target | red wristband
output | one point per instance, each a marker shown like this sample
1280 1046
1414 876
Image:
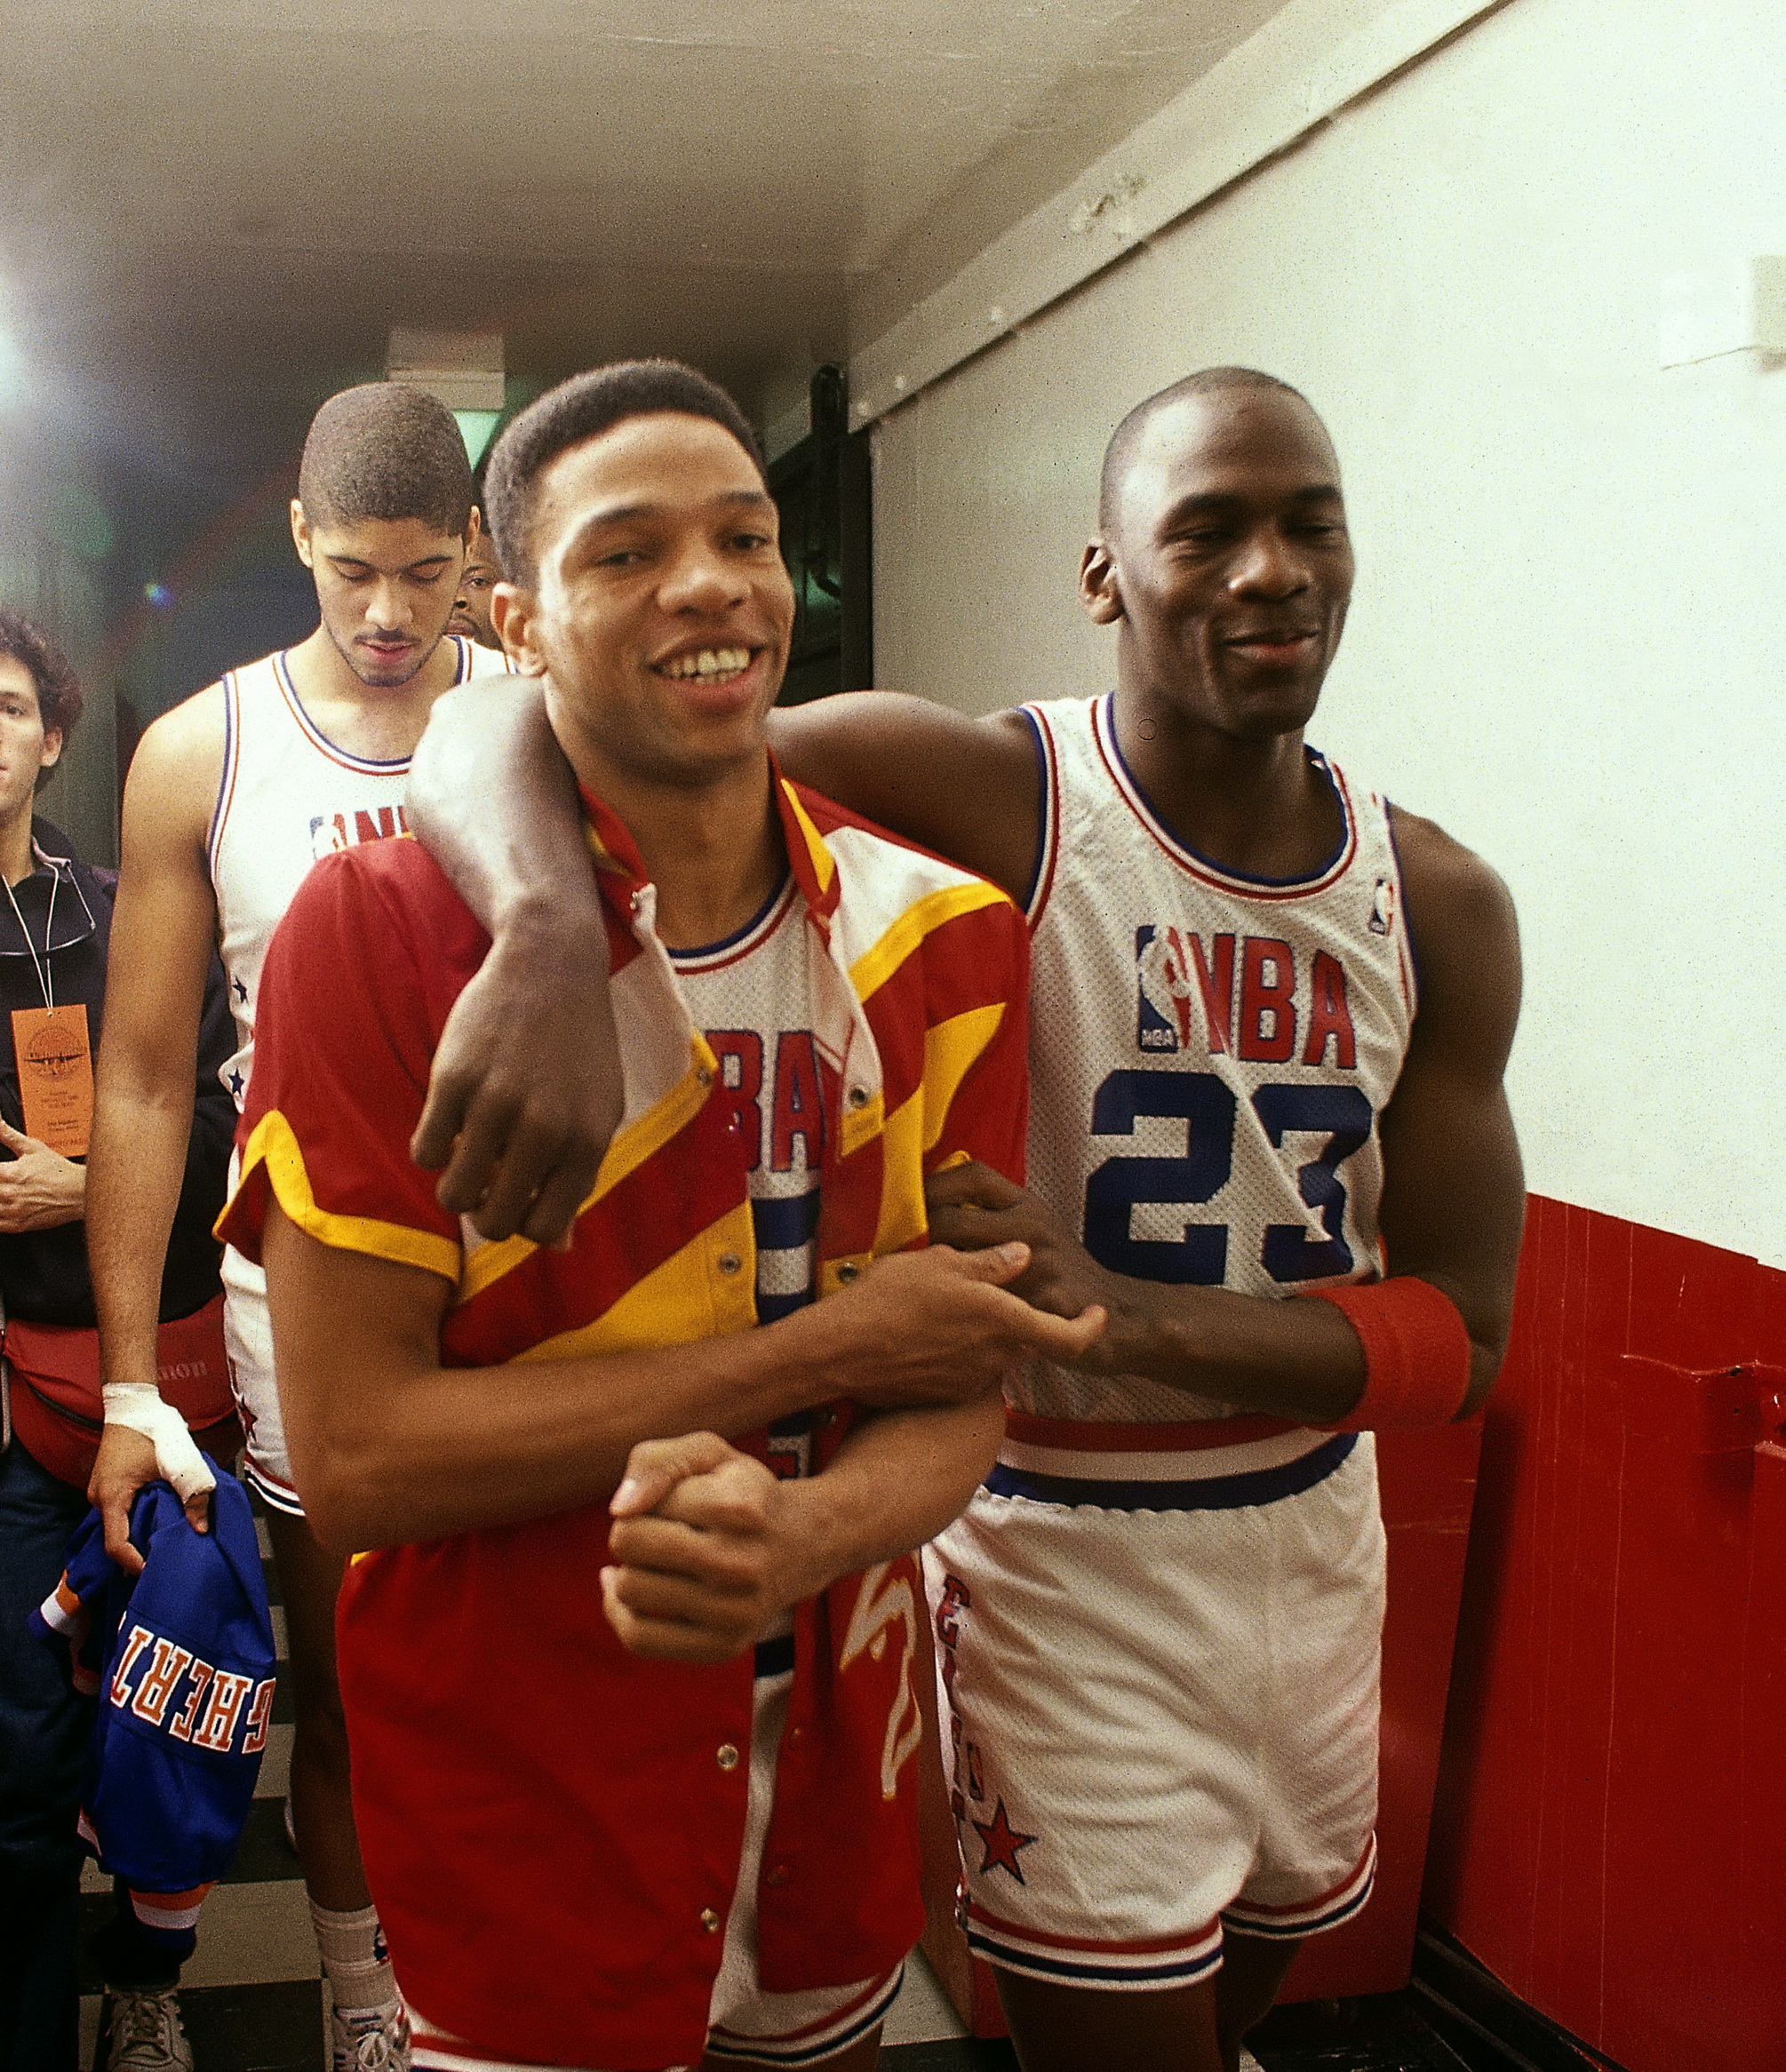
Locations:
1417 1353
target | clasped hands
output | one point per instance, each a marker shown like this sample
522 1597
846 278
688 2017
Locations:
709 1547
972 1207
707 1551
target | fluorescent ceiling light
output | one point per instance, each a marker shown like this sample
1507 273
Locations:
463 368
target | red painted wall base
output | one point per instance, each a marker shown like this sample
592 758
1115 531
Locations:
1611 1831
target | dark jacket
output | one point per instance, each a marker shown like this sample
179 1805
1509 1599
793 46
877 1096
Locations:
44 1274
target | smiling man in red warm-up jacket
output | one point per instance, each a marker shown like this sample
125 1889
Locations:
628 1664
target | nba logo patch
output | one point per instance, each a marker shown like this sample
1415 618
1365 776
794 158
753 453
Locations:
1382 908
1184 991
1156 1016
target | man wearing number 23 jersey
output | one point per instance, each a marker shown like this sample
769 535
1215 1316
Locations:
1270 1018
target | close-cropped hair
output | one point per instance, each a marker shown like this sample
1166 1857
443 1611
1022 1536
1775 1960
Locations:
60 703
580 409
1127 434
386 450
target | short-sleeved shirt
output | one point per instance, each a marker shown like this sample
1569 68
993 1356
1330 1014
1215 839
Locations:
57 944
549 1824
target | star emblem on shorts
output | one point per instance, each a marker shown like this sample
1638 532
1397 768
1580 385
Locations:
236 1083
1002 1843
239 989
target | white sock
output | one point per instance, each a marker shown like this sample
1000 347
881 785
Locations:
355 1961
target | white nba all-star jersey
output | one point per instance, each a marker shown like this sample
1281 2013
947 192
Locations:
289 795
1209 1053
751 996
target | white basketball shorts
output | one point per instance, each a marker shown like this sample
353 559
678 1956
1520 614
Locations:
248 1339
1159 1679
746 2024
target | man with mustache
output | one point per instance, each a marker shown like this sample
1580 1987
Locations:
1271 1017
476 585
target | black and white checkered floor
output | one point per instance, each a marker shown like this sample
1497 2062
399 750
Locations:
251 1997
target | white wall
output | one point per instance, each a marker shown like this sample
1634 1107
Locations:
48 512
1568 642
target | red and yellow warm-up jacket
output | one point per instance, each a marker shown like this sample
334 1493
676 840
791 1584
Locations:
549 1823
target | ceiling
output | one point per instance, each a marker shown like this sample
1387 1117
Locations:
209 208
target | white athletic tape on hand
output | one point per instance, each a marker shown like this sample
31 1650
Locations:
137 1407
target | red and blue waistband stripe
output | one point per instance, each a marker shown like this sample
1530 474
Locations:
1209 1493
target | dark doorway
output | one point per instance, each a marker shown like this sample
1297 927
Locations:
821 488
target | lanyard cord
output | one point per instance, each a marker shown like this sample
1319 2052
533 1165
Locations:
46 975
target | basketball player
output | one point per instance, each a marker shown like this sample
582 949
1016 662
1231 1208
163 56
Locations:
232 797
1159 1621
477 583
814 1017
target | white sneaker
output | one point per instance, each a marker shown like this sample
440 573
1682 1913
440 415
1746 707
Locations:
367 2039
147 2035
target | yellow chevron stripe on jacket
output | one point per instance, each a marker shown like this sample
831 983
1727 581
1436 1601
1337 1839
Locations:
919 978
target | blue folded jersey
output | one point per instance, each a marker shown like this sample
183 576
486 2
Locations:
182 1659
